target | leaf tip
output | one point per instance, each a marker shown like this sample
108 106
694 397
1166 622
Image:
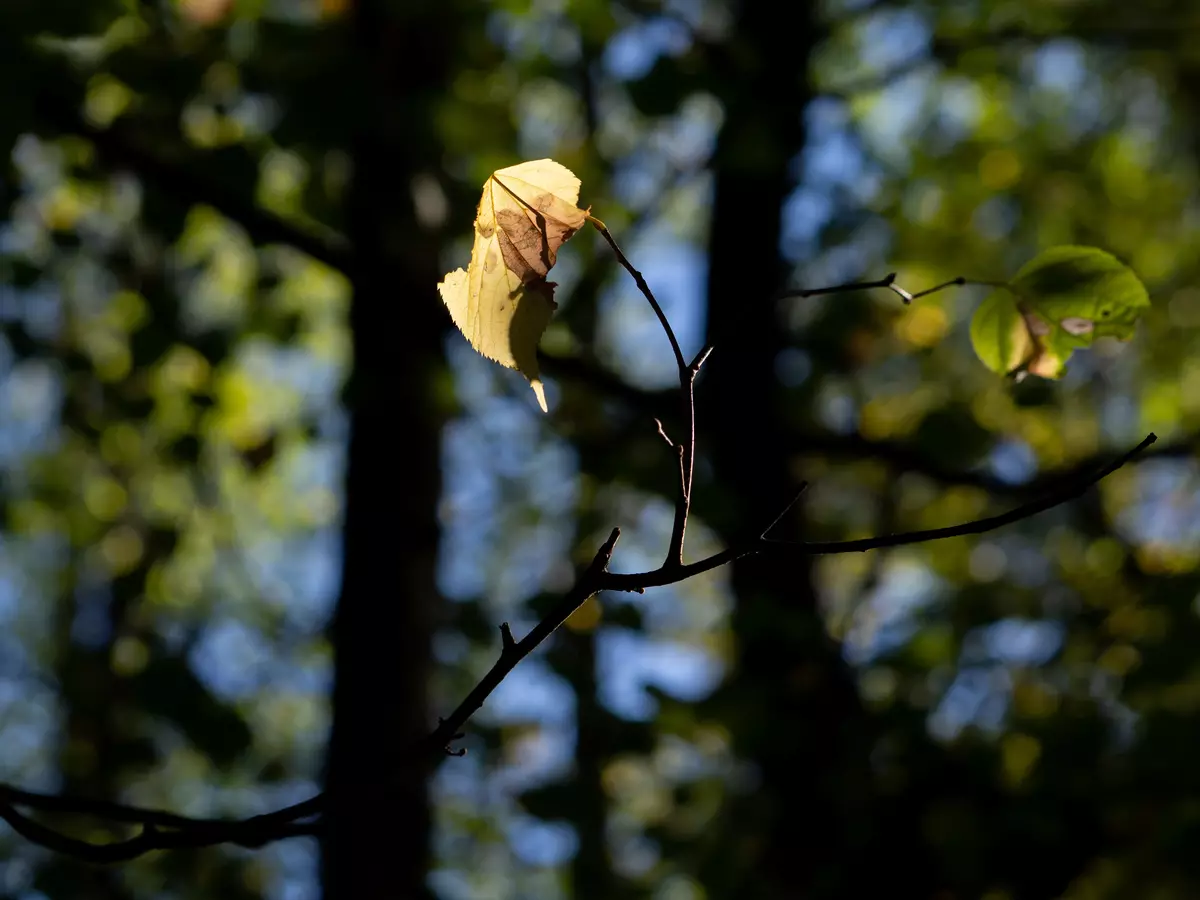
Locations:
539 392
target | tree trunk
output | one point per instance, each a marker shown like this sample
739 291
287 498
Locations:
791 704
378 840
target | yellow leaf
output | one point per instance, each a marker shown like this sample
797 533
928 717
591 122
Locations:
502 302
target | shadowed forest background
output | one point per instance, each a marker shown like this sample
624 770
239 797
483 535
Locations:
263 510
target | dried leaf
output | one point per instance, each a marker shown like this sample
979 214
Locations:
502 302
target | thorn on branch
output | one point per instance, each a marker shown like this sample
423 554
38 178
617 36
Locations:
604 554
507 644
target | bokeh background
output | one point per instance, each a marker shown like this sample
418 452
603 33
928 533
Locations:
223 223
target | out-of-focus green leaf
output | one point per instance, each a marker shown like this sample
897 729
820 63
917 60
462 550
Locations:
1061 300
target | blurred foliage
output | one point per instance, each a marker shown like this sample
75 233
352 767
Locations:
1005 716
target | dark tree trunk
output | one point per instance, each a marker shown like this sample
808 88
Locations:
592 876
378 841
791 703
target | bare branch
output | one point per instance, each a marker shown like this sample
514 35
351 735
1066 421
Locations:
643 287
664 575
783 512
889 282
687 387
507 643
159 830
589 583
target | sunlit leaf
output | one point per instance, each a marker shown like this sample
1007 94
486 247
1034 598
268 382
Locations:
502 302
1060 301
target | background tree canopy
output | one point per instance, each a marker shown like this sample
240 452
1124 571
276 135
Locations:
264 511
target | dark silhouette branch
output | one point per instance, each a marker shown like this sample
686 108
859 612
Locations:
159 830
589 583
764 545
889 282
686 448
904 457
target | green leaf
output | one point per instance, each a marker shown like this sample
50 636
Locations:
1058 302
998 333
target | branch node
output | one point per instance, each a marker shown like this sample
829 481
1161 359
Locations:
700 360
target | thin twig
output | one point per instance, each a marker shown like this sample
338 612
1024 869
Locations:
159 830
889 282
643 287
959 282
687 458
589 583
687 390
665 575
788 508
133 815
663 433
